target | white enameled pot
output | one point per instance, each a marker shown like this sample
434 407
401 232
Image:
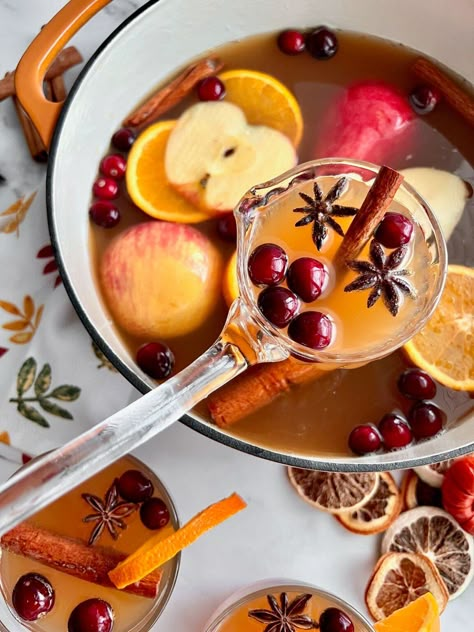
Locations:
148 47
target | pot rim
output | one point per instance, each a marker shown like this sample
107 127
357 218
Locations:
206 429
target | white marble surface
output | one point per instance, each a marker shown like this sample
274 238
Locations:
278 535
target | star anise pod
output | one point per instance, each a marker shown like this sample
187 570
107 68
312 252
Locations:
107 513
322 210
383 276
285 616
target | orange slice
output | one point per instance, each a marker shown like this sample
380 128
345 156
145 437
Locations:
445 346
156 551
416 492
146 179
264 101
421 615
230 285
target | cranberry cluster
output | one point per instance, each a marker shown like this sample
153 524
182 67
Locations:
321 42
133 486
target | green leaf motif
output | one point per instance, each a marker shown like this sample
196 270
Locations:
43 381
54 409
26 376
32 414
66 393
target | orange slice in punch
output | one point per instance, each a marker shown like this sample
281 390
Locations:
156 551
230 283
422 615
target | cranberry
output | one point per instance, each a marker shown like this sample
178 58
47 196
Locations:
92 615
104 213
33 597
334 620
416 384
291 42
134 486
113 166
322 43
105 188
211 89
426 420
364 439
307 277
154 513
311 329
395 431
394 230
267 265
424 99
123 138
156 359
278 305
227 228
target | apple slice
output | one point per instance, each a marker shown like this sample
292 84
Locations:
213 156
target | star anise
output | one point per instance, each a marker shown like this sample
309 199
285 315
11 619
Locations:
107 513
285 616
322 210
383 275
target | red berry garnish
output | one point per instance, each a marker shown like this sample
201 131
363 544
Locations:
307 278
33 597
394 230
267 265
156 359
104 213
211 89
291 42
134 486
424 99
278 305
113 166
227 228
365 439
426 420
334 620
322 43
154 513
395 431
105 188
311 329
416 384
123 138
92 615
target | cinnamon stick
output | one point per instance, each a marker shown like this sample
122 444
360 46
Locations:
36 147
457 98
91 563
171 94
58 89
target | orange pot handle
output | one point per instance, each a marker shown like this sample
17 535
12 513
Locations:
43 49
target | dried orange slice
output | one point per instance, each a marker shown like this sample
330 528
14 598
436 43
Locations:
378 513
146 179
400 578
435 534
334 492
264 101
445 346
421 615
416 493
156 551
230 285
433 474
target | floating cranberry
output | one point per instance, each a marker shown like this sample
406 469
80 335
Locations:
291 42
154 513
105 188
123 139
267 265
156 359
424 99
426 420
211 89
307 277
33 597
416 384
113 166
134 486
322 43
278 305
335 620
227 228
104 213
311 329
395 431
92 615
394 230
365 439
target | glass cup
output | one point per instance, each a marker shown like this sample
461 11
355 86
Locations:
248 337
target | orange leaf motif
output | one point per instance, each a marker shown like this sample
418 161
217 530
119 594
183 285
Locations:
19 209
16 325
39 313
28 307
23 338
10 308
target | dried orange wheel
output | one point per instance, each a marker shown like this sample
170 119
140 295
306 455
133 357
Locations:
435 534
334 492
379 512
416 493
433 474
230 284
400 578
421 615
